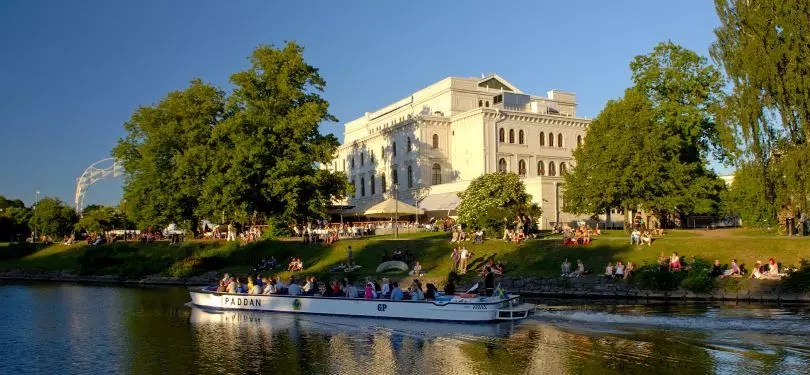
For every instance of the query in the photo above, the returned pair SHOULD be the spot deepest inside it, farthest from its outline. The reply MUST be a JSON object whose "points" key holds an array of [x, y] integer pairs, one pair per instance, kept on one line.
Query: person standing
{"points": [[456, 256], [464, 256], [489, 282], [231, 232]]}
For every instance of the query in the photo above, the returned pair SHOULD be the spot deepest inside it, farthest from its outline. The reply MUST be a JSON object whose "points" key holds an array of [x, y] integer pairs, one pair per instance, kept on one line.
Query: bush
{"points": [[798, 281], [655, 278], [17, 250], [276, 228], [697, 278]]}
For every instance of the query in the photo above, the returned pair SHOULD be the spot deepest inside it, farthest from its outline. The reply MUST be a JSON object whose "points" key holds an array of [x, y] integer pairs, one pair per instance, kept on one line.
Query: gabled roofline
{"points": [[499, 78]]}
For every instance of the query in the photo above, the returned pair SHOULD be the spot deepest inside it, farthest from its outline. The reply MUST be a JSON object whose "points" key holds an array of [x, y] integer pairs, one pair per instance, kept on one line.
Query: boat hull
{"points": [[481, 309]]}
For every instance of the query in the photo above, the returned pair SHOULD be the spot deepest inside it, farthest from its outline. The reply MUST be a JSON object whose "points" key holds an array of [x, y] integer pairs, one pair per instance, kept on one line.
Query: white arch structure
{"points": [[100, 170]]}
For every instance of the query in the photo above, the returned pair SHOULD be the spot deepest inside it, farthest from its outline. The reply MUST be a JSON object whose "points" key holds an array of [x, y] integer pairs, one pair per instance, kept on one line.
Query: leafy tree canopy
{"points": [[202, 153], [493, 197], [650, 148], [52, 217], [764, 50]]}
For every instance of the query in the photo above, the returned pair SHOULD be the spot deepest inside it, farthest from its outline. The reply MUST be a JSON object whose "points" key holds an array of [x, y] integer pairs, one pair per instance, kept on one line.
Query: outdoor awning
{"points": [[390, 208], [440, 202]]}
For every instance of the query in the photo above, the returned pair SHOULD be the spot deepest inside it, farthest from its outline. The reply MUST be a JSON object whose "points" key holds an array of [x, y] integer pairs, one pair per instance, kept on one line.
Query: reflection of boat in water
{"points": [[444, 308], [336, 324]]}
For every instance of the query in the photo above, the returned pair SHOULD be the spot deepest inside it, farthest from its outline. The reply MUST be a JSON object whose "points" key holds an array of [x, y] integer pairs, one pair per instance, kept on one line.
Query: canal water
{"points": [[76, 329]]}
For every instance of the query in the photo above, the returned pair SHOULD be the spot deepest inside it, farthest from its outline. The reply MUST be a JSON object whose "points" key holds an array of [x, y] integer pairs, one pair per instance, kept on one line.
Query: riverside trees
{"points": [[764, 48], [205, 153], [650, 148], [493, 197]]}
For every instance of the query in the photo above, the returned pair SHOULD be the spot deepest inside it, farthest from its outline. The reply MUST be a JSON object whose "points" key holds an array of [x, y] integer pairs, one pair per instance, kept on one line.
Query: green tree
{"points": [[764, 50], [493, 197], [52, 217], [650, 148], [200, 153], [96, 218], [745, 197], [268, 149], [167, 155], [14, 218]]}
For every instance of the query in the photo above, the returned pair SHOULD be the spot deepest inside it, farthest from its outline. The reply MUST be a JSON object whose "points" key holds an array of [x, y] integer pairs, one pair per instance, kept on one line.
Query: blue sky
{"points": [[72, 72]]}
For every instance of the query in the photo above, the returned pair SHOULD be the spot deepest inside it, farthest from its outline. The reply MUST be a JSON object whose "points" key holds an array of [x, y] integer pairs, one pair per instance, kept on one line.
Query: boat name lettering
{"points": [[242, 301], [479, 307], [381, 307]]}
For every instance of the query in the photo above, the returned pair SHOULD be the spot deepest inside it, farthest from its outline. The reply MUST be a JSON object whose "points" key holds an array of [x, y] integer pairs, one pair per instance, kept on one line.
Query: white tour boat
{"points": [[443, 308]]}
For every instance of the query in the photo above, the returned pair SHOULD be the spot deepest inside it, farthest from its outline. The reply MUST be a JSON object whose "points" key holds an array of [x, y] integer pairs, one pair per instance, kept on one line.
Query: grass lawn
{"points": [[540, 257]]}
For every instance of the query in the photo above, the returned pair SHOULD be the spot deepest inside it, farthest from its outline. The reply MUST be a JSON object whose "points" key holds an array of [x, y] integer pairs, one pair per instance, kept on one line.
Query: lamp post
{"points": [[396, 210], [36, 203]]}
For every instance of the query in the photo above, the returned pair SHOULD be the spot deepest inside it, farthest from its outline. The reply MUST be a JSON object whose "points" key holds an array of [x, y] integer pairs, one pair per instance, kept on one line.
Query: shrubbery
{"points": [[697, 279], [799, 280]]}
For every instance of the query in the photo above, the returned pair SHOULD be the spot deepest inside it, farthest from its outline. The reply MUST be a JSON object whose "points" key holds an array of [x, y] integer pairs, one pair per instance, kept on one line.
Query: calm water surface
{"points": [[74, 329]]}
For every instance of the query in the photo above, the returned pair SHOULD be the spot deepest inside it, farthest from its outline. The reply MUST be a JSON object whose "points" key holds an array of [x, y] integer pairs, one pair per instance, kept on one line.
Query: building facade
{"points": [[429, 146]]}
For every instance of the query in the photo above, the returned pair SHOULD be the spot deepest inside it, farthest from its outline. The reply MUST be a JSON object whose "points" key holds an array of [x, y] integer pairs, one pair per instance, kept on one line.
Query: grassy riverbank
{"points": [[532, 258]]}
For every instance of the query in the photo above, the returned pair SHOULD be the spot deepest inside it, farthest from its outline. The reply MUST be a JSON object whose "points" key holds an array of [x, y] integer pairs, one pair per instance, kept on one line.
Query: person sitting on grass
{"points": [[773, 270], [646, 237], [717, 269], [635, 237], [609, 271], [675, 262], [619, 271], [479, 236], [628, 270], [565, 268], [417, 270], [757, 272], [735, 270], [580, 269]]}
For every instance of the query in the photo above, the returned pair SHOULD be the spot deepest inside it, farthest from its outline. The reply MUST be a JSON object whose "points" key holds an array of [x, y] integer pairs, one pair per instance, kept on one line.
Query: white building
{"points": [[447, 134]]}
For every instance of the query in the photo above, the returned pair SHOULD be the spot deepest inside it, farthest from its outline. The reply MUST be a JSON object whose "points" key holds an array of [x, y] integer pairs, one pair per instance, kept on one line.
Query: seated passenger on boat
{"points": [[310, 287], [256, 289], [250, 284], [240, 288], [386, 288], [294, 289], [368, 293], [269, 286], [416, 291], [396, 292], [430, 292], [349, 290], [450, 287], [231, 288]]}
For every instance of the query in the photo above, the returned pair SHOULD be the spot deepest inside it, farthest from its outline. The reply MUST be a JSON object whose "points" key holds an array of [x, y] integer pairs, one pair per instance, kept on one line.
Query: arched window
{"points": [[372, 157], [410, 177], [354, 185], [541, 168], [362, 159], [394, 175], [382, 152], [551, 170], [435, 141], [373, 187], [542, 138], [408, 148], [502, 165], [501, 135], [383, 185], [487, 104], [394, 149], [520, 137], [480, 103], [550, 139], [437, 174], [522, 168], [511, 135], [559, 140], [362, 186], [562, 169], [344, 165], [579, 140], [352, 163]]}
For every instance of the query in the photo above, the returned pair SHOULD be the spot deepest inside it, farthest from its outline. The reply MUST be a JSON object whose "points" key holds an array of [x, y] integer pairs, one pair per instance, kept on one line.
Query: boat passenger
{"points": [[226, 279], [310, 287], [565, 268], [450, 287], [328, 291], [260, 281], [231, 288], [269, 287], [240, 288], [222, 286], [386, 288], [337, 291], [489, 283], [416, 293], [396, 293], [369, 291], [256, 289], [250, 283], [294, 289], [430, 292]]}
